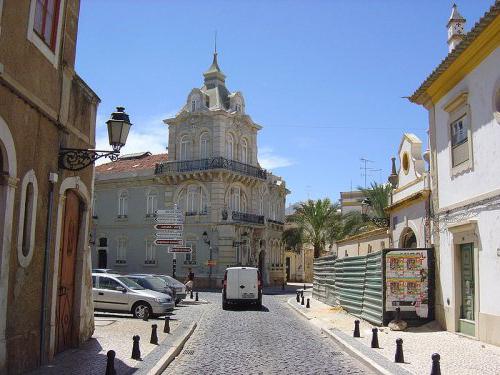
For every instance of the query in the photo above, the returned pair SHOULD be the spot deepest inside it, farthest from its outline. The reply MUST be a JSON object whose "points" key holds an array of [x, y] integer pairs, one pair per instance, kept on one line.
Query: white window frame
{"points": [[123, 203], [150, 253], [151, 202], [235, 199], [244, 151], [52, 56], [230, 147], [121, 250], [204, 145], [184, 148], [29, 178]]}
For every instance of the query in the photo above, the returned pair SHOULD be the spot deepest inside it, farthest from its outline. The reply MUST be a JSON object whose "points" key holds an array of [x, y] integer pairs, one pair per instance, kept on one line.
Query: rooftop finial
{"points": [[215, 42]]}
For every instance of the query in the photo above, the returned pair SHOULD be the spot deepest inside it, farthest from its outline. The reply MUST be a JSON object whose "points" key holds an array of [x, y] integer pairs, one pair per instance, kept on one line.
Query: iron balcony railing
{"points": [[275, 222], [247, 218], [210, 163]]}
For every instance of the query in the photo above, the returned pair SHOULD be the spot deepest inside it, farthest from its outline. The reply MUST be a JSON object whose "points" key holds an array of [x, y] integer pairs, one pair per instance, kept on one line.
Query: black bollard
{"points": [[398, 314], [436, 367], [304, 286], [375, 338], [302, 301], [146, 315], [308, 306], [196, 299], [283, 285], [191, 294], [136, 352], [399, 357], [110, 364], [302, 293], [298, 297], [166, 328], [154, 335], [356, 329]]}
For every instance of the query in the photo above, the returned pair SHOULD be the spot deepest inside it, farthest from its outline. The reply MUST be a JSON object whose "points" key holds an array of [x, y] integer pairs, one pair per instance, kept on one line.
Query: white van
{"points": [[242, 285]]}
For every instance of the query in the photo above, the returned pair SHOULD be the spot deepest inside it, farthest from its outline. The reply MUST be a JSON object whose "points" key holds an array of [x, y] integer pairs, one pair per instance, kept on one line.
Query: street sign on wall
{"points": [[164, 241], [169, 227], [180, 249], [169, 234]]}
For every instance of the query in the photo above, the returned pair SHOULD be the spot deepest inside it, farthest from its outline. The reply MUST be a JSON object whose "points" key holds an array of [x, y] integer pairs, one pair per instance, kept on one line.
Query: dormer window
{"points": [[193, 105]]}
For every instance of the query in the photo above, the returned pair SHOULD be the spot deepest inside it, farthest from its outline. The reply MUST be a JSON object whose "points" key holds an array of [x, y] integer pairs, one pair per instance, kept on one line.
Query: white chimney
{"points": [[455, 26]]}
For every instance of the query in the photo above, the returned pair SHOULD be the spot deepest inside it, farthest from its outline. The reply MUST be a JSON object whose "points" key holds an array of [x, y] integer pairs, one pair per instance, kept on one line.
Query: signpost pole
{"points": [[210, 267], [174, 264]]}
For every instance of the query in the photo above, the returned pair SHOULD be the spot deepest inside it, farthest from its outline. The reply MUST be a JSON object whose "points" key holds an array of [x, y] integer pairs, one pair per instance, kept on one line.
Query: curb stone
{"points": [[173, 349], [370, 361]]}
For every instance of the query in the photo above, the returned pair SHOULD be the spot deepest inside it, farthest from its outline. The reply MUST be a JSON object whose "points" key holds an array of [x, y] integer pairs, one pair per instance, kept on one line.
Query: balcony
{"points": [[275, 222], [209, 164], [247, 218]]}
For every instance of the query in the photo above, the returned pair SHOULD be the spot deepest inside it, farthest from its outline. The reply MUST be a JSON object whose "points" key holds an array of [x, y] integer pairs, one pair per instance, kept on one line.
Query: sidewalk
{"points": [[459, 354], [115, 332]]}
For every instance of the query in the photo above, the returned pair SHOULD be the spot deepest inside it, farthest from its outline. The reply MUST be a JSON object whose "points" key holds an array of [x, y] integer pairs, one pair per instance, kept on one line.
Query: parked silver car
{"points": [[178, 288], [116, 293]]}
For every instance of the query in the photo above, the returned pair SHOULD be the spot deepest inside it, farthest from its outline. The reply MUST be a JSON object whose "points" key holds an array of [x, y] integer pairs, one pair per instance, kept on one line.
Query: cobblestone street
{"points": [[273, 341]]}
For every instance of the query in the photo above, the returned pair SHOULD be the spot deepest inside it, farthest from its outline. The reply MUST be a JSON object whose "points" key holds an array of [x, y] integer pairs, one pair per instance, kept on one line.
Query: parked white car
{"points": [[116, 293], [242, 285]]}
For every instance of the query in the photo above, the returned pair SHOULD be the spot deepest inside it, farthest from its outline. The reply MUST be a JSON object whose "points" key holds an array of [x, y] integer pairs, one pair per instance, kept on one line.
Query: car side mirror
{"points": [[121, 289]]}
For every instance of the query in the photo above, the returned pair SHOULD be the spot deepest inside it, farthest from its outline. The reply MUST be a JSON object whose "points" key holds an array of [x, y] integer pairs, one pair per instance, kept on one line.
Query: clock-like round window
{"points": [[405, 163]]}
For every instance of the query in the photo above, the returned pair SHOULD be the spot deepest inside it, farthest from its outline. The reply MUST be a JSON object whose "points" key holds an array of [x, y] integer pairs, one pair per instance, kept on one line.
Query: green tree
{"points": [[315, 219], [377, 198], [293, 238]]}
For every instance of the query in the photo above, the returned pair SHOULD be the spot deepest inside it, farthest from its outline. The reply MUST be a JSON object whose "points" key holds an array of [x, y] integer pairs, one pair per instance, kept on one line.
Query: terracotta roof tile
{"points": [[126, 165]]}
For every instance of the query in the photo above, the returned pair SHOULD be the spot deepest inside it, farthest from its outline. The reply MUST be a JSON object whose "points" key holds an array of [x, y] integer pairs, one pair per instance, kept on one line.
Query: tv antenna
{"points": [[365, 168]]}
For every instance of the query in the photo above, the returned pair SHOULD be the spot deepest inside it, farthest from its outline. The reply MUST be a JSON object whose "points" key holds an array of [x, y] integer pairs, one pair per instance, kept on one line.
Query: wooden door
{"points": [[466, 323], [66, 286]]}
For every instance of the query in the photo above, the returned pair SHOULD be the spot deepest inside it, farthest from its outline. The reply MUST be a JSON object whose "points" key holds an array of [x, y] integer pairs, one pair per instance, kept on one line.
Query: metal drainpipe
{"points": [[45, 281]]}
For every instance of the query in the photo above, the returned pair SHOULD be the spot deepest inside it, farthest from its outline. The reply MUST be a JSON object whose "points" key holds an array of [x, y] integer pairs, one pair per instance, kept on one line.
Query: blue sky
{"points": [[325, 79]]}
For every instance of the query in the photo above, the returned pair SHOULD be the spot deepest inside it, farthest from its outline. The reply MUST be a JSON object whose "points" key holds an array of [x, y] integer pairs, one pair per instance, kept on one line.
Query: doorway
{"points": [[467, 323], [65, 330], [102, 258], [287, 268]]}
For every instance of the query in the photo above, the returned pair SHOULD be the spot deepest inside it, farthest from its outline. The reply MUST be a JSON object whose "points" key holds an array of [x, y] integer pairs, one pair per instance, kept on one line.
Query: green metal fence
{"points": [[355, 283]]}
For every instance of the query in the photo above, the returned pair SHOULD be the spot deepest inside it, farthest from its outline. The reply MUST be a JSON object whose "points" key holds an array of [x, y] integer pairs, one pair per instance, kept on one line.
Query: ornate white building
{"points": [[213, 175]]}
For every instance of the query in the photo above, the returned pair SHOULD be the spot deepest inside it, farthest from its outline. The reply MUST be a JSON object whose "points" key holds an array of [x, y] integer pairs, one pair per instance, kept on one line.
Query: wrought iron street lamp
{"points": [[75, 159], [207, 241]]}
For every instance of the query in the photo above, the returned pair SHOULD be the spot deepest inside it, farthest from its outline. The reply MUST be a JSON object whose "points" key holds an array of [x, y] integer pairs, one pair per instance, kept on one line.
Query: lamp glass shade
{"points": [[118, 128]]}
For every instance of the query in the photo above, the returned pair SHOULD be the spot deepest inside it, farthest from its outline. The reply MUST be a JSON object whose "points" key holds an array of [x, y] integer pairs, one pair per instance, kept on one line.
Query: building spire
{"points": [[455, 25], [214, 73]]}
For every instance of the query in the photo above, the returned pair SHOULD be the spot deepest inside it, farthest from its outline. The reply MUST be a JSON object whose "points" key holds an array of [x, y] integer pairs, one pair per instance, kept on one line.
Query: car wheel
{"points": [[139, 309]]}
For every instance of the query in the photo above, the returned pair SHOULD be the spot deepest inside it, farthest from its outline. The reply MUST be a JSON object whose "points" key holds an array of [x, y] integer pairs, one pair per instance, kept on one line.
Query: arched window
{"points": [[204, 146], [192, 200], [244, 151], [151, 202], [27, 218], [185, 148], [123, 204], [121, 250], [234, 199], [230, 147]]}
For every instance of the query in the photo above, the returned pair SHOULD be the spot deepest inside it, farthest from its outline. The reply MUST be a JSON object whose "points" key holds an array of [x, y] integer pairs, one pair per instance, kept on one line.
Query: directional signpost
{"points": [[169, 229]]}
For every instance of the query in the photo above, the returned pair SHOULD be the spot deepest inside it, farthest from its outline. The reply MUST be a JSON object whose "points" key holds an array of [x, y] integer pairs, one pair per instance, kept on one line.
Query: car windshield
{"points": [[156, 283], [170, 280], [130, 283]]}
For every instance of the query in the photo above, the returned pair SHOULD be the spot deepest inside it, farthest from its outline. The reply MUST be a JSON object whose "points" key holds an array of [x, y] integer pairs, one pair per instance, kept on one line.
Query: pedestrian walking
{"points": [[189, 282]]}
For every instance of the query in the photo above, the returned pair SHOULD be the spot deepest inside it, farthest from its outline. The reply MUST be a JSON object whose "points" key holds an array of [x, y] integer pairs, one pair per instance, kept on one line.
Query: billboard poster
{"points": [[407, 281]]}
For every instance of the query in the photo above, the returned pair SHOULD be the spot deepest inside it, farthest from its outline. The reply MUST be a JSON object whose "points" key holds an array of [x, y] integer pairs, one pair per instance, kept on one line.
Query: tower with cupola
{"points": [[455, 25]]}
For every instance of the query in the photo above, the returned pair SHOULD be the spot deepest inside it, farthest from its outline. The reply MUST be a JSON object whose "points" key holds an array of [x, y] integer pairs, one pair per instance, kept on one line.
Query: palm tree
{"points": [[293, 238], [315, 219], [377, 197]]}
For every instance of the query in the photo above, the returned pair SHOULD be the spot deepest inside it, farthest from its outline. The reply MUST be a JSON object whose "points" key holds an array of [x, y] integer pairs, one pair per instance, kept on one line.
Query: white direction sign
{"points": [[160, 227], [169, 234], [180, 249], [167, 242]]}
